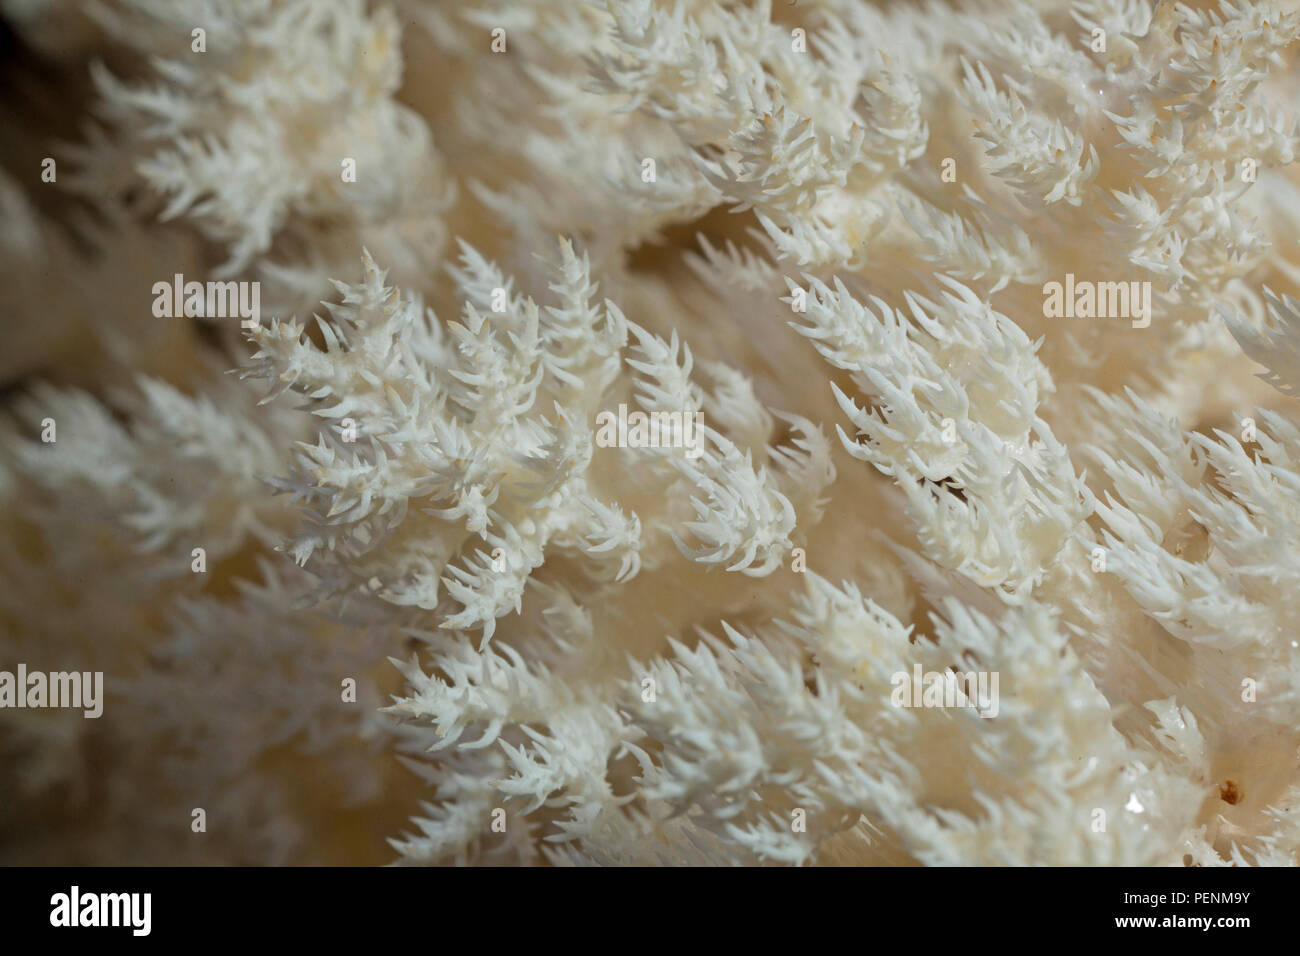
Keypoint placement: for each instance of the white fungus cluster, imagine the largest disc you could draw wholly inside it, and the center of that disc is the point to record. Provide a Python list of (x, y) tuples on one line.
[(394, 579)]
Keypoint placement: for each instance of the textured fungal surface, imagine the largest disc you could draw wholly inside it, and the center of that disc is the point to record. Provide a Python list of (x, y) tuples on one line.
[(523, 432)]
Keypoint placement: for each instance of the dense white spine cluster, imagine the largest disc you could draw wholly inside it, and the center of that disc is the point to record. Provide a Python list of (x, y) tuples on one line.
[(679, 375)]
